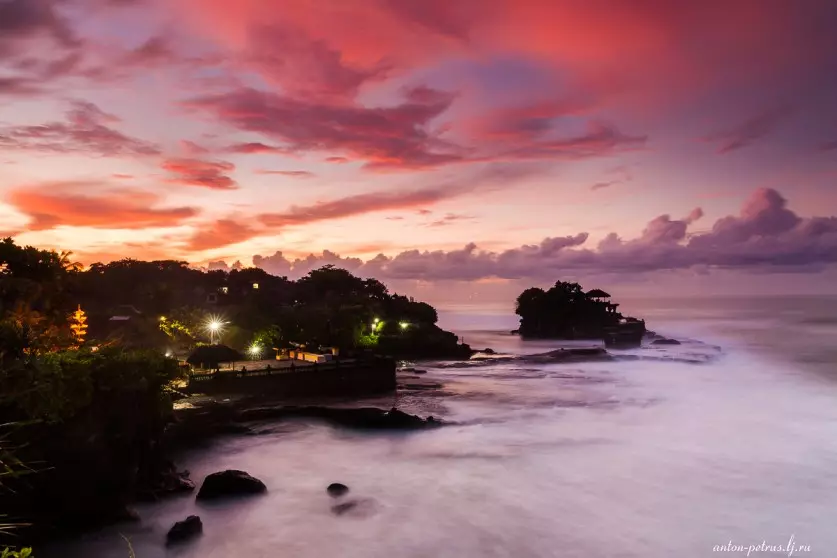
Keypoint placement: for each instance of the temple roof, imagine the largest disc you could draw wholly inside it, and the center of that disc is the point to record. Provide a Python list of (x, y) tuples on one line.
[(597, 293)]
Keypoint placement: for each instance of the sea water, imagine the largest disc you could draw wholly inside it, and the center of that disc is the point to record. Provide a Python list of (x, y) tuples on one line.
[(723, 445)]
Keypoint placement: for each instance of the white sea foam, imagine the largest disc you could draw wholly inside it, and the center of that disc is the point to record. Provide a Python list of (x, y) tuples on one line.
[(662, 452)]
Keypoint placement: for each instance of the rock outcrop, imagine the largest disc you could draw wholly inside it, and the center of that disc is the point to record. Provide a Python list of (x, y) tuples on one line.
[(185, 530), (368, 418), (337, 489), (230, 483)]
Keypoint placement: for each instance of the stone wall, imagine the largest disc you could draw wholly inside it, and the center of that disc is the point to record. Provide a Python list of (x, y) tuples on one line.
[(331, 378)]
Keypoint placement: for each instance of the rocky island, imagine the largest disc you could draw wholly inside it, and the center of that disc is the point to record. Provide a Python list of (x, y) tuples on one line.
[(566, 311)]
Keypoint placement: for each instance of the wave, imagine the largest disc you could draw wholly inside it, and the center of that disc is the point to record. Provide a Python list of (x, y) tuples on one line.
[(689, 352)]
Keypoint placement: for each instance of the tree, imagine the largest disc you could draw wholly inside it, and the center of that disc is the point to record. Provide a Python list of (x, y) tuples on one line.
[(38, 279), (563, 311), (268, 338), (78, 325), (184, 326)]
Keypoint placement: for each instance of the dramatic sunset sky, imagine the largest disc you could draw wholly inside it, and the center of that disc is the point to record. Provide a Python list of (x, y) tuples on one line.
[(477, 145)]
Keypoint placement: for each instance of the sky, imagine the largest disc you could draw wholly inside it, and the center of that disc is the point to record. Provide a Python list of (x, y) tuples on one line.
[(458, 149)]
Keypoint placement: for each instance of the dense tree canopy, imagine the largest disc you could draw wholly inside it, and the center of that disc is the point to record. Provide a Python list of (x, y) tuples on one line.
[(565, 311), (168, 304)]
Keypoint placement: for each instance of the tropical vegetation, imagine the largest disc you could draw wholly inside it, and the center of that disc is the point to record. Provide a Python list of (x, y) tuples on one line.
[(565, 311), (87, 362)]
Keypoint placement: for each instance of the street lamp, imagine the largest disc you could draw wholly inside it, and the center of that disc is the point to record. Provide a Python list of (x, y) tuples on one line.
[(255, 351), (215, 327), (403, 325)]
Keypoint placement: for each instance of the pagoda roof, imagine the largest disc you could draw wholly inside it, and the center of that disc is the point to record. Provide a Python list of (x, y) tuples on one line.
[(597, 293)]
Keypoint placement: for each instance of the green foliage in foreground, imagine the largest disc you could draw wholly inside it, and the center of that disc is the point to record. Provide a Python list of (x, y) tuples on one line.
[(22, 553), (54, 387)]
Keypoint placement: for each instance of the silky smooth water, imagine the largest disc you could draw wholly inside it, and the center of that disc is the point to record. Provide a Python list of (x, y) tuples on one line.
[(663, 452)]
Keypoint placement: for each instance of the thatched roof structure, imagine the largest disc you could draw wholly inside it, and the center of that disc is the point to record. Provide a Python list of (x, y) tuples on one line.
[(597, 293), (212, 355)]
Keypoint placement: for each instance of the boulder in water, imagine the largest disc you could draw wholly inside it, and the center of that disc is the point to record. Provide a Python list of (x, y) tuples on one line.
[(665, 341), (165, 481), (337, 489), (184, 530), (362, 507), (340, 509), (230, 483), (490, 351)]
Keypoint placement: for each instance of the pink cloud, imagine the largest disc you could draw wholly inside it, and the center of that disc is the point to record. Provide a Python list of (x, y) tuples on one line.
[(25, 19), (603, 185), (766, 236), (388, 136), (288, 173), (257, 147), (749, 131), (357, 205), (306, 67), (450, 219), (193, 149), (653, 43), (400, 136), (201, 173), (87, 130)]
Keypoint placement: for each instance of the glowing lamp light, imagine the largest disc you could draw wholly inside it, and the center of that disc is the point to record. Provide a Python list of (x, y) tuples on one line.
[(215, 326), (403, 325), (168, 354), (255, 350)]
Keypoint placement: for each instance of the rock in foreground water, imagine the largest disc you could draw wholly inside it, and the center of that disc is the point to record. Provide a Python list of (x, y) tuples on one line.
[(337, 489), (363, 507), (184, 530), (230, 483)]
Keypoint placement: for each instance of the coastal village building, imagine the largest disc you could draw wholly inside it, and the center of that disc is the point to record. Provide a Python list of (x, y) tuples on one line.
[(305, 356)]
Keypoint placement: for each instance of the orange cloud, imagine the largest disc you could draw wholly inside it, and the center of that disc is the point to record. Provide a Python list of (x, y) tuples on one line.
[(70, 203), (223, 232)]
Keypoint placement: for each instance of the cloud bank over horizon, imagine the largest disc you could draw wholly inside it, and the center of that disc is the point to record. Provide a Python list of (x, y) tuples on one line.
[(765, 237)]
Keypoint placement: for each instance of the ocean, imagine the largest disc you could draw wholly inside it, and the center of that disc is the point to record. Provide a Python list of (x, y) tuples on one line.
[(723, 445)]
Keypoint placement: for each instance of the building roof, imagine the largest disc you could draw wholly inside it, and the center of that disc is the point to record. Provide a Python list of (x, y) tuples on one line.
[(597, 293)]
